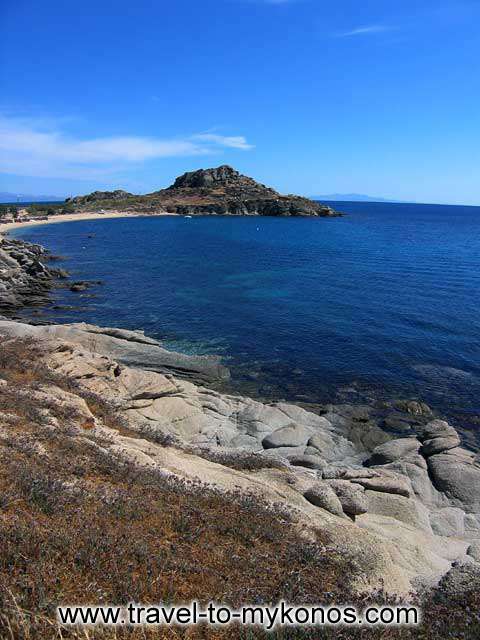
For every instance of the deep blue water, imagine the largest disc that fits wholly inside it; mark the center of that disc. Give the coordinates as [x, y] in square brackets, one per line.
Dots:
[385, 298]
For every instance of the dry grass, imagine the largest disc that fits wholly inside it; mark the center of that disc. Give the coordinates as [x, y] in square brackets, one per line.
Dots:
[241, 461]
[77, 526]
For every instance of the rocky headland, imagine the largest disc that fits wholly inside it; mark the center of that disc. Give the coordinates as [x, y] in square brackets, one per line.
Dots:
[217, 191]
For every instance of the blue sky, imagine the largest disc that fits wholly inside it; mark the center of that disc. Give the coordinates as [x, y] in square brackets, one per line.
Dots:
[308, 96]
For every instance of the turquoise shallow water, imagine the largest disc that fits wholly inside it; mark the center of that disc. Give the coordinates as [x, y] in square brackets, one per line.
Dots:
[382, 301]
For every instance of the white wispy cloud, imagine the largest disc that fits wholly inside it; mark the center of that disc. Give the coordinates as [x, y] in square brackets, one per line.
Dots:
[29, 147]
[363, 31]
[235, 142]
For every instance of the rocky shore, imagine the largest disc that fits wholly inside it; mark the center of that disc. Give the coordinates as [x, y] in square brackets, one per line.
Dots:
[25, 280]
[394, 489]
[407, 508]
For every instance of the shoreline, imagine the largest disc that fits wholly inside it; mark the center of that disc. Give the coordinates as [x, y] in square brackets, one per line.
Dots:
[402, 496]
[393, 474]
[72, 217]
[40, 288]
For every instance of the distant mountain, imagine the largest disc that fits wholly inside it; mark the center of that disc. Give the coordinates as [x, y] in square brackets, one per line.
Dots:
[352, 197]
[6, 196]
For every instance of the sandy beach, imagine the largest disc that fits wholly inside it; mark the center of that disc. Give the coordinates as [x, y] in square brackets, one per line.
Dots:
[85, 215]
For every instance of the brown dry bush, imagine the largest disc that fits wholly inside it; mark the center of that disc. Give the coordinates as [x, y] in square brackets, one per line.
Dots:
[239, 460]
[132, 536]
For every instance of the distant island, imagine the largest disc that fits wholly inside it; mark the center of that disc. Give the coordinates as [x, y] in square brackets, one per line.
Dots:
[10, 198]
[352, 197]
[218, 191]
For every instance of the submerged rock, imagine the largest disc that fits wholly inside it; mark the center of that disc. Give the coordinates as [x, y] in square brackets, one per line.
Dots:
[82, 285]
[413, 407]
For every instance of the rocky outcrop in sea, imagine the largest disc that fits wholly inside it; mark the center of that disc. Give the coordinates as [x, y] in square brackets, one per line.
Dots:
[25, 280]
[217, 191]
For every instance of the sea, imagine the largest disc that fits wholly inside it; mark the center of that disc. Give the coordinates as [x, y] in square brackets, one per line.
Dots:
[381, 303]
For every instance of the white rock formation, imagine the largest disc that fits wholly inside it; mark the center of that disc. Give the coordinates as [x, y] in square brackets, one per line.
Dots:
[405, 509]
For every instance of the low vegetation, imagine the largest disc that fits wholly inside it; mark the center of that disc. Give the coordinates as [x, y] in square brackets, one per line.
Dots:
[8, 211]
[40, 209]
[78, 526]
[50, 209]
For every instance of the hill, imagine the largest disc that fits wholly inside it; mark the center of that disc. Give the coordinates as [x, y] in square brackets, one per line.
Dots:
[216, 191]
